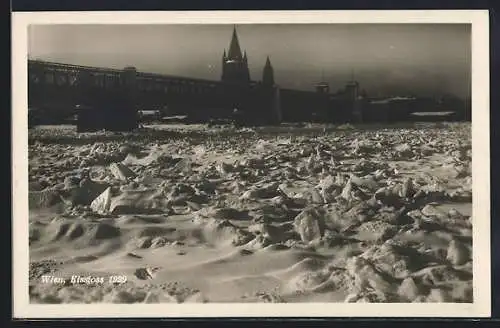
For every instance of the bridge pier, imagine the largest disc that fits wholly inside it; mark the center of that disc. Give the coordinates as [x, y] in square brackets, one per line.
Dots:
[112, 110]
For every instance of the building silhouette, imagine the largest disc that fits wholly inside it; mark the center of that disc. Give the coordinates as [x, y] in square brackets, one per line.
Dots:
[268, 73]
[234, 63]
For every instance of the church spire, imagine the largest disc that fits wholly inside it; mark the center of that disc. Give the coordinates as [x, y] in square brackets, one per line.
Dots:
[268, 74]
[234, 48]
[268, 62]
[235, 64]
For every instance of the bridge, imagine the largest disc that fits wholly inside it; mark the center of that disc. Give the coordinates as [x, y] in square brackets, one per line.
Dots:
[116, 95]
[59, 87]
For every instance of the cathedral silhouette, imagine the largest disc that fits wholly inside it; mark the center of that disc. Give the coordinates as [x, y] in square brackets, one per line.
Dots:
[235, 65]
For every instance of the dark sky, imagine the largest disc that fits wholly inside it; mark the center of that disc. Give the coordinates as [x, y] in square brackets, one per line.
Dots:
[386, 59]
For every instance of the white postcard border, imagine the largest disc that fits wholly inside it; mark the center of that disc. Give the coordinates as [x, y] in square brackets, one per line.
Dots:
[480, 148]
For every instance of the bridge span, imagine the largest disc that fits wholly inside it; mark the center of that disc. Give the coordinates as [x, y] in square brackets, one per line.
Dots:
[59, 87]
[116, 95]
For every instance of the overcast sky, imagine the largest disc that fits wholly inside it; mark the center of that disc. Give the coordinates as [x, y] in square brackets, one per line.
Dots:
[385, 59]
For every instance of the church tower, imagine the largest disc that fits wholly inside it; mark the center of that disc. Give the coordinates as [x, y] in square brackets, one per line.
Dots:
[268, 74]
[235, 64]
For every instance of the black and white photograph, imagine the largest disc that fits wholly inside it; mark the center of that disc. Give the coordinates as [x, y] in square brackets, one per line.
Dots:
[228, 162]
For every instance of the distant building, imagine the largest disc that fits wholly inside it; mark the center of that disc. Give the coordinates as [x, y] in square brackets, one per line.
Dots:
[322, 87]
[235, 64]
